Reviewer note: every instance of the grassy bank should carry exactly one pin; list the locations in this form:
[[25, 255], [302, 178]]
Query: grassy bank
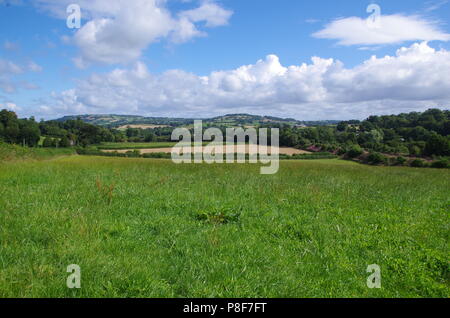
[[10, 152], [150, 228]]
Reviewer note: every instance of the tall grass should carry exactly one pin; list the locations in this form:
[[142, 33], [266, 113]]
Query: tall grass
[[150, 228]]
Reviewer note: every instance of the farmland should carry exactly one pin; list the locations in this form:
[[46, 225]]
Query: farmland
[[150, 228]]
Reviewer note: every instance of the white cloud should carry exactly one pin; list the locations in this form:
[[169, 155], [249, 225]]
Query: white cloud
[[210, 12], [33, 67], [8, 67], [118, 31], [392, 29], [415, 78], [10, 106], [9, 70]]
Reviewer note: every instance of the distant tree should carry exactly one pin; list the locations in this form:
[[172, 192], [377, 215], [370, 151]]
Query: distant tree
[[64, 142], [400, 161], [342, 126], [376, 158], [354, 152], [418, 163], [437, 145], [48, 142]]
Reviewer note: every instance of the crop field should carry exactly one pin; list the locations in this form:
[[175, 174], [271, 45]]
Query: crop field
[[150, 228]]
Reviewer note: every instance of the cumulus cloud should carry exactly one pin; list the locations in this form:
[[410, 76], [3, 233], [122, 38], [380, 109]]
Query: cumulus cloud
[[117, 31], [390, 29], [415, 78]]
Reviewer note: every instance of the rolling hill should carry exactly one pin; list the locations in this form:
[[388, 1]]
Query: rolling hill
[[115, 121]]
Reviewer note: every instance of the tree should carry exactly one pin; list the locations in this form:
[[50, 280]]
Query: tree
[[48, 142], [64, 142], [437, 145], [354, 152]]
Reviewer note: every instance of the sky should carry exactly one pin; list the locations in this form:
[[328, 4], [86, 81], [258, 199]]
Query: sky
[[309, 60]]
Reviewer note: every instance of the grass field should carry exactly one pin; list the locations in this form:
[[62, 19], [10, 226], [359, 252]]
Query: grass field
[[10, 152], [134, 145], [150, 228]]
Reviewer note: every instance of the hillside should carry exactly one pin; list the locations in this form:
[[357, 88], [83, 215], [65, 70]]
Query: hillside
[[115, 121]]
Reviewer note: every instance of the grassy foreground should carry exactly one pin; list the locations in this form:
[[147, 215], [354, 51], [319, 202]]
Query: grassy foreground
[[150, 228]]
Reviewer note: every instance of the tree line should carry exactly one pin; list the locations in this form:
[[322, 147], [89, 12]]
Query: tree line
[[411, 134], [28, 132]]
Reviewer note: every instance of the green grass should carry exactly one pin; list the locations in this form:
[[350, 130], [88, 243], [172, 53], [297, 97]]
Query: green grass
[[150, 228], [10, 152]]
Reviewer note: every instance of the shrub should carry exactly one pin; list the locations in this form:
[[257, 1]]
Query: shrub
[[418, 163], [400, 161], [48, 142], [440, 164], [354, 152], [375, 158]]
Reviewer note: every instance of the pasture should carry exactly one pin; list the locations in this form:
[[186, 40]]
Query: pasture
[[150, 228]]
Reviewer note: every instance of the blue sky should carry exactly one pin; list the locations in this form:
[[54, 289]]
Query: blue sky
[[48, 70]]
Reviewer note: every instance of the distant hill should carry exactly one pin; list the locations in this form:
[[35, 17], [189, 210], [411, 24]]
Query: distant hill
[[231, 120]]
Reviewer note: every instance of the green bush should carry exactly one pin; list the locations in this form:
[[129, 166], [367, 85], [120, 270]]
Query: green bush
[[440, 164], [418, 163], [376, 158], [400, 161], [354, 152]]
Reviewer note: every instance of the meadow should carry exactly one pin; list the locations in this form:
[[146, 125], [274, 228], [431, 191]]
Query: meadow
[[150, 228]]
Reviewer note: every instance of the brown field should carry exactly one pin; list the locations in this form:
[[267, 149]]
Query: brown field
[[143, 126], [226, 149]]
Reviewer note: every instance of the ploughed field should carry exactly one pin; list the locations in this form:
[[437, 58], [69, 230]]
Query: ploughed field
[[150, 228]]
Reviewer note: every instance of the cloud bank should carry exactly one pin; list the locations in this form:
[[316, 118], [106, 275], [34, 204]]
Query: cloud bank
[[415, 78]]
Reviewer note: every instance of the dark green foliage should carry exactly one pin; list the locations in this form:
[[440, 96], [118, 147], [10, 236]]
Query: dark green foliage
[[64, 142], [444, 163], [375, 158], [438, 145], [48, 142], [354, 152], [18, 131], [418, 163], [400, 161], [414, 134]]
